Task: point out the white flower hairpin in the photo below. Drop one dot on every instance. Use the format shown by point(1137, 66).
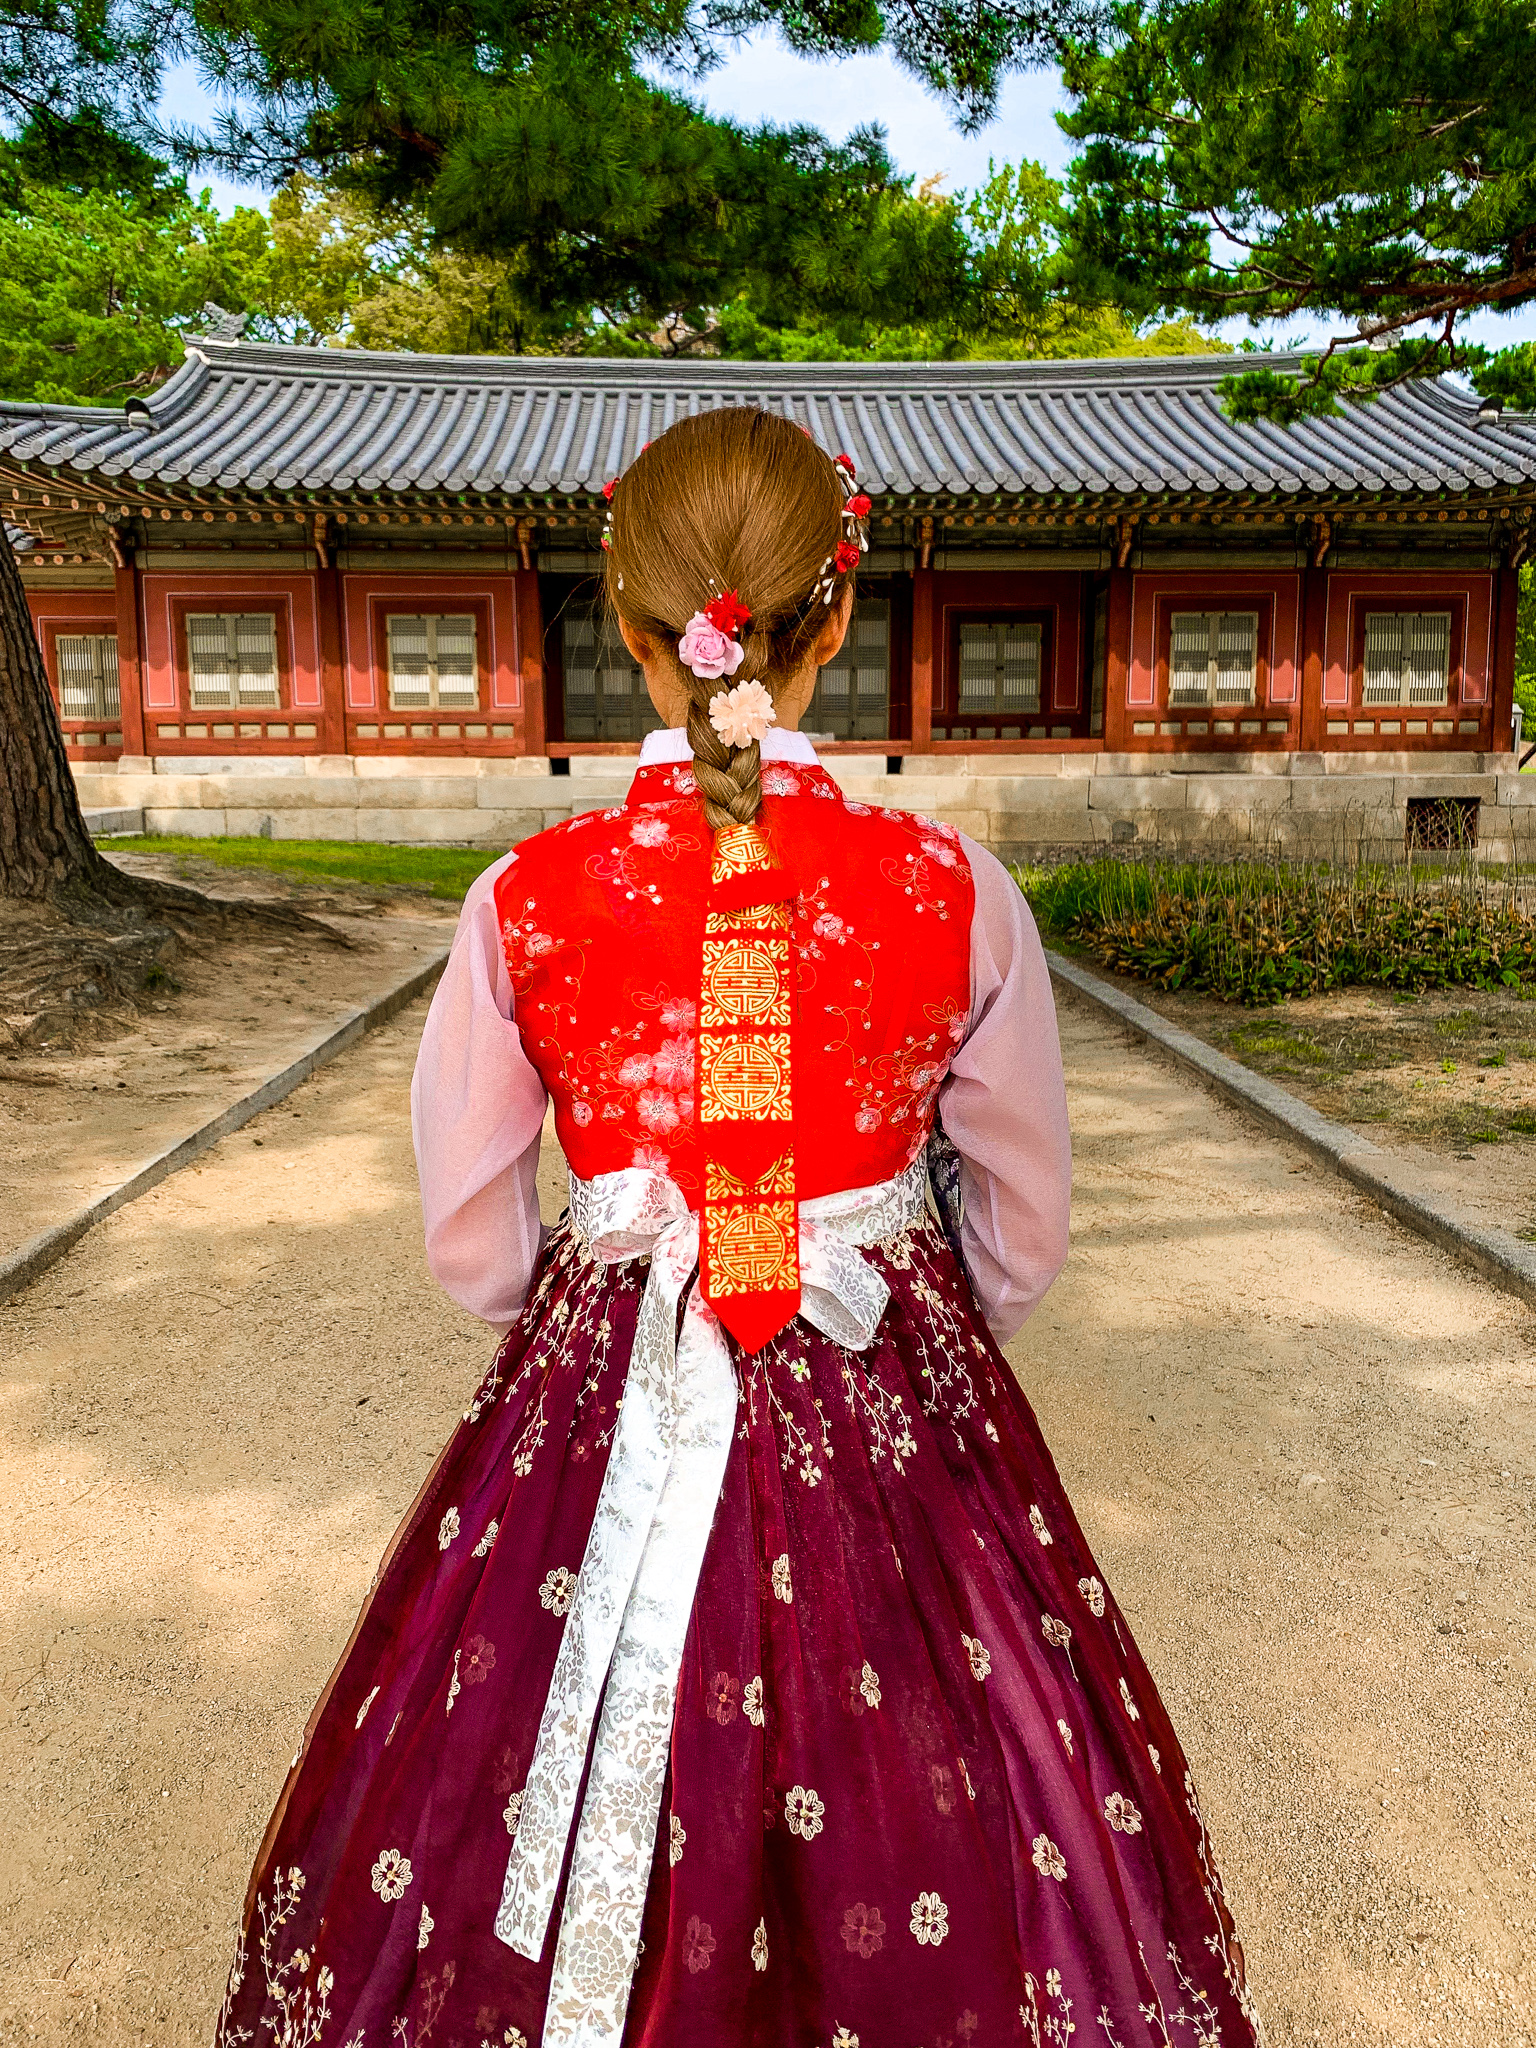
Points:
point(742, 716)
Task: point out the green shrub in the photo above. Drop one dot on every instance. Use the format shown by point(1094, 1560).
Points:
point(1255, 930)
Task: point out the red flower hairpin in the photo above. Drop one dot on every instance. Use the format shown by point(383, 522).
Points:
point(855, 540)
point(727, 612)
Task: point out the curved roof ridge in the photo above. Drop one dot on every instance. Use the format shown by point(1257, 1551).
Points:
point(262, 416)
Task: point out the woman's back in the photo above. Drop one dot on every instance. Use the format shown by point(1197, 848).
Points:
point(808, 979)
point(748, 1583)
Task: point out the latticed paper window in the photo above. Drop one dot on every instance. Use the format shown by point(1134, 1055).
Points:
point(1407, 657)
point(605, 694)
point(1213, 658)
point(87, 665)
point(233, 657)
point(432, 662)
point(852, 700)
point(999, 667)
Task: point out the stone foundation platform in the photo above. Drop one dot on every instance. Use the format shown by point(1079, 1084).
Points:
point(1016, 804)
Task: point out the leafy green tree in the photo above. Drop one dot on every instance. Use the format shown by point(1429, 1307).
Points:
point(330, 269)
point(1003, 292)
point(1369, 159)
point(101, 282)
point(104, 265)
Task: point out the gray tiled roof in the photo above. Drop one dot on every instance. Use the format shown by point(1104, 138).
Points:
point(248, 417)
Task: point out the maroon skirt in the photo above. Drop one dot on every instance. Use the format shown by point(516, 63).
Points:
point(921, 1788)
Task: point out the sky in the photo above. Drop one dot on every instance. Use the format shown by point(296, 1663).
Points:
point(763, 81)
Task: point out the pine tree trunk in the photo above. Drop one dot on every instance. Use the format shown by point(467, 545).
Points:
point(44, 844)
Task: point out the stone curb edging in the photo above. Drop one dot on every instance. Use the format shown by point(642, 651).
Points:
point(1497, 1254)
point(20, 1268)
point(102, 824)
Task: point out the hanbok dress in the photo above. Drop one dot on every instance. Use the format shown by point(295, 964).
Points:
point(741, 1677)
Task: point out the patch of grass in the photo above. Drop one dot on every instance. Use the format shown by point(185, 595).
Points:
point(1457, 1025)
point(1255, 930)
point(1492, 1059)
point(1524, 1121)
point(442, 871)
point(1265, 1041)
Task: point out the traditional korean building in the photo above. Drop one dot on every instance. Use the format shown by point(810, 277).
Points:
point(1088, 589)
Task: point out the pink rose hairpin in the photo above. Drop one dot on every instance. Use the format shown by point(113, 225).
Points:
point(710, 648)
point(709, 645)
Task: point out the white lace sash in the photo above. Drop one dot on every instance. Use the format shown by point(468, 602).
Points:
point(628, 1620)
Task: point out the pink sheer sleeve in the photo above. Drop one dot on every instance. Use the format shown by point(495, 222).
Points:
point(477, 1110)
point(1004, 1108)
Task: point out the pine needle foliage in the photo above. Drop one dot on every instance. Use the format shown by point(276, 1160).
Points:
point(1370, 159)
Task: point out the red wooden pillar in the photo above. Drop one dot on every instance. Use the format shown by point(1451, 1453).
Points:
point(1314, 625)
point(1117, 663)
point(130, 656)
point(333, 665)
point(922, 660)
point(1506, 598)
point(530, 658)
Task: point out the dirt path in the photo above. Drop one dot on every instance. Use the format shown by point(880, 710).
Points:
point(1445, 1080)
point(1302, 1441)
point(77, 1117)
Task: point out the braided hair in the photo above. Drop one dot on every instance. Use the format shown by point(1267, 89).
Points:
point(731, 500)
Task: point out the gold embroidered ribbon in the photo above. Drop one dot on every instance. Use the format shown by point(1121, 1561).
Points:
point(749, 1262)
point(628, 1621)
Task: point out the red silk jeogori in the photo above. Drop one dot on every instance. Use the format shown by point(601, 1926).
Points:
point(765, 1013)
